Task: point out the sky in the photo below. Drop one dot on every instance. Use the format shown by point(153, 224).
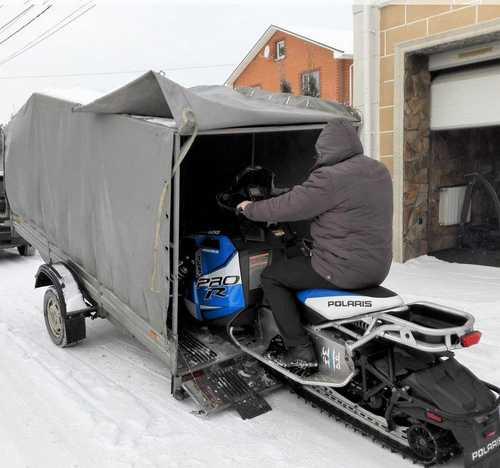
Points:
point(193, 41)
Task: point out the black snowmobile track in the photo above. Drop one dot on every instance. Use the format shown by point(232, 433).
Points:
point(313, 398)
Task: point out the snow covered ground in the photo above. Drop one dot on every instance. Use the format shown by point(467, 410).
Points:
point(106, 403)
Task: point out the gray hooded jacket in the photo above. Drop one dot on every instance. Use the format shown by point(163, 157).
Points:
point(348, 196)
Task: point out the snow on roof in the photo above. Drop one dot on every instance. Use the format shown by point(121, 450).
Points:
point(321, 37)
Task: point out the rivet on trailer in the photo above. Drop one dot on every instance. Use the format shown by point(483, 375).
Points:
point(131, 202)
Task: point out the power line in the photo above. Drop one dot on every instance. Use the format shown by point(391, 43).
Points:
point(47, 31)
point(45, 35)
point(128, 72)
point(13, 20)
point(70, 75)
point(25, 25)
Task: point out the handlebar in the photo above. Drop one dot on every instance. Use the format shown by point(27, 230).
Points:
point(256, 184)
point(230, 202)
point(253, 184)
point(225, 202)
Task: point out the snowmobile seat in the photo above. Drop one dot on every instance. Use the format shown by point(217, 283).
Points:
point(338, 304)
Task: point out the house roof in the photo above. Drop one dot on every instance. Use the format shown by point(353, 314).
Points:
point(263, 40)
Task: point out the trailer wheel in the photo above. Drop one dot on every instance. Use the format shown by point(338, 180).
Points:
point(26, 250)
point(64, 331)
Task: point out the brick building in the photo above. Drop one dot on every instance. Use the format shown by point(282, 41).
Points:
point(283, 61)
point(426, 79)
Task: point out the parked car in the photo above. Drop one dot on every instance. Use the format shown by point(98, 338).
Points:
point(9, 238)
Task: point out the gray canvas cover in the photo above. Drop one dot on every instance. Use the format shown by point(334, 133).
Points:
point(92, 185)
point(215, 107)
point(96, 183)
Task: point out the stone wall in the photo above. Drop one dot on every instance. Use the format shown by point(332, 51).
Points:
point(416, 155)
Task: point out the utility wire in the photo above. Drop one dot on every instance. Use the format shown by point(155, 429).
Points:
point(49, 30)
point(25, 25)
point(42, 37)
point(13, 20)
point(69, 75)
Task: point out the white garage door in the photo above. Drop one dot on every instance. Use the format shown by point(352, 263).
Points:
point(466, 99)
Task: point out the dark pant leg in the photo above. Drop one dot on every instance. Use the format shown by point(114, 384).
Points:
point(280, 281)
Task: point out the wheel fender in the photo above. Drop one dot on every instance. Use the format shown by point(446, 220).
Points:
point(63, 280)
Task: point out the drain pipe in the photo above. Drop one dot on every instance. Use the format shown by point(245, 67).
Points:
point(365, 72)
point(351, 98)
point(367, 82)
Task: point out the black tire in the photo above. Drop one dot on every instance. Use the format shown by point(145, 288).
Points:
point(26, 250)
point(180, 394)
point(63, 331)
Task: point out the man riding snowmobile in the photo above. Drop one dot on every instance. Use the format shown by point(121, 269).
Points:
point(348, 196)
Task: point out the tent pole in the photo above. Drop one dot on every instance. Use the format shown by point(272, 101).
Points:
point(175, 255)
point(180, 152)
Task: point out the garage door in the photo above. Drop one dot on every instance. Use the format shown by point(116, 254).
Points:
point(466, 99)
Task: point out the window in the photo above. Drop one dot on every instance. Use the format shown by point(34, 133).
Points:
point(311, 84)
point(280, 50)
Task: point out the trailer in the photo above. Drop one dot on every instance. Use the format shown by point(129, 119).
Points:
point(107, 191)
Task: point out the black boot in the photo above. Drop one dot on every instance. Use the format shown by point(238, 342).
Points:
point(299, 357)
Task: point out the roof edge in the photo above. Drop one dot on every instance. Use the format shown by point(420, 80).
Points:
point(261, 42)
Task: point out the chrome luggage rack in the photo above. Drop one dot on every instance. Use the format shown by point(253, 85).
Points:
point(422, 325)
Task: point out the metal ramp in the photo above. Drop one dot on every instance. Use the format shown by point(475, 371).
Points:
point(236, 384)
point(200, 349)
point(194, 352)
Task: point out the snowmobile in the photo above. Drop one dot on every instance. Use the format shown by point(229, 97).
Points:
point(385, 366)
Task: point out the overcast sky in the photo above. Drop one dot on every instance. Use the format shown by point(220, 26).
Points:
point(136, 35)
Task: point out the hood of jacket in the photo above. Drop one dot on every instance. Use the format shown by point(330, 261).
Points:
point(337, 142)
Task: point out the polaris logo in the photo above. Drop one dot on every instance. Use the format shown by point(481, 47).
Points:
point(486, 449)
point(342, 303)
